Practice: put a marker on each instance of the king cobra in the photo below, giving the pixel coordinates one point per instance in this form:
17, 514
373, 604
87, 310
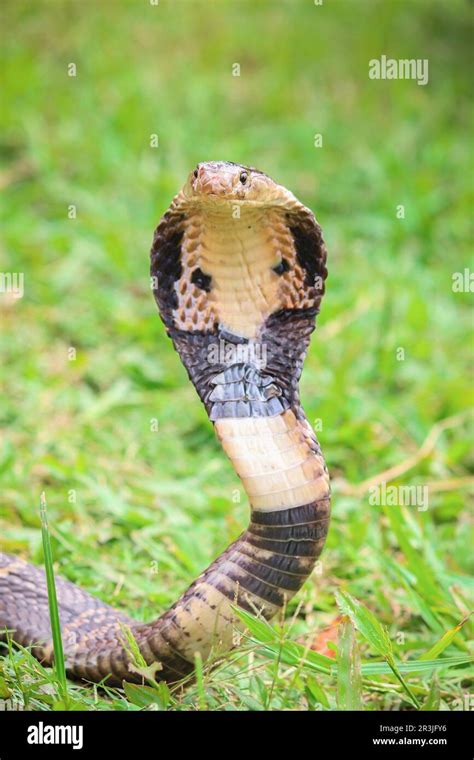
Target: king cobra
238, 267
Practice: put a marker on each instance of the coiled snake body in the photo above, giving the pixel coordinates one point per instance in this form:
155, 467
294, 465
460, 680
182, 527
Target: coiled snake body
238, 270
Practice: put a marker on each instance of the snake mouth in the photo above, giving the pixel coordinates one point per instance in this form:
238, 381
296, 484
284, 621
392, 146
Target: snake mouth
216, 199
216, 194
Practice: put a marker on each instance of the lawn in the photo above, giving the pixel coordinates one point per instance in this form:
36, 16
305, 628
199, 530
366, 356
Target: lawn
97, 410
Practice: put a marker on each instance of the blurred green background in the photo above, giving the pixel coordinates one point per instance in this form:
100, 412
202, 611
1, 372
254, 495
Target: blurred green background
124, 499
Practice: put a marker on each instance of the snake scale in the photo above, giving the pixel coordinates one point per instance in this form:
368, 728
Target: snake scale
238, 266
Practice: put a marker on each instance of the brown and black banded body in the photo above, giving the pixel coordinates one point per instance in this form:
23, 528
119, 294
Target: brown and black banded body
238, 267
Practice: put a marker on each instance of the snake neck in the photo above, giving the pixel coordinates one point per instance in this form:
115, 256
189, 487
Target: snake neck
283, 472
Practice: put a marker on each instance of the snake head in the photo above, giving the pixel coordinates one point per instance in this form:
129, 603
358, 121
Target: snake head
216, 181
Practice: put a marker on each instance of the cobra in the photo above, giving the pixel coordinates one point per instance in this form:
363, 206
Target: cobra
238, 266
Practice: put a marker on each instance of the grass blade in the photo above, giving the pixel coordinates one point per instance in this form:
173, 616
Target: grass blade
375, 633
433, 699
407, 539
268, 640
349, 685
59, 665
202, 701
444, 641
366, 622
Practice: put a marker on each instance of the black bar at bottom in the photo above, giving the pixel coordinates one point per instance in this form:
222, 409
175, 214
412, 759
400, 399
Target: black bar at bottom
382, 734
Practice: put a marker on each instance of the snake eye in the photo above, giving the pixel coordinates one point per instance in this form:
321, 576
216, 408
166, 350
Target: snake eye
243, 177
195, 172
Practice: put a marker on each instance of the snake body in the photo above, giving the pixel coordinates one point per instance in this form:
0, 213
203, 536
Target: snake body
238, 266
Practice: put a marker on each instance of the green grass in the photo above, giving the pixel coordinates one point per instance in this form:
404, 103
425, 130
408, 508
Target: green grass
59, 667
136, 514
